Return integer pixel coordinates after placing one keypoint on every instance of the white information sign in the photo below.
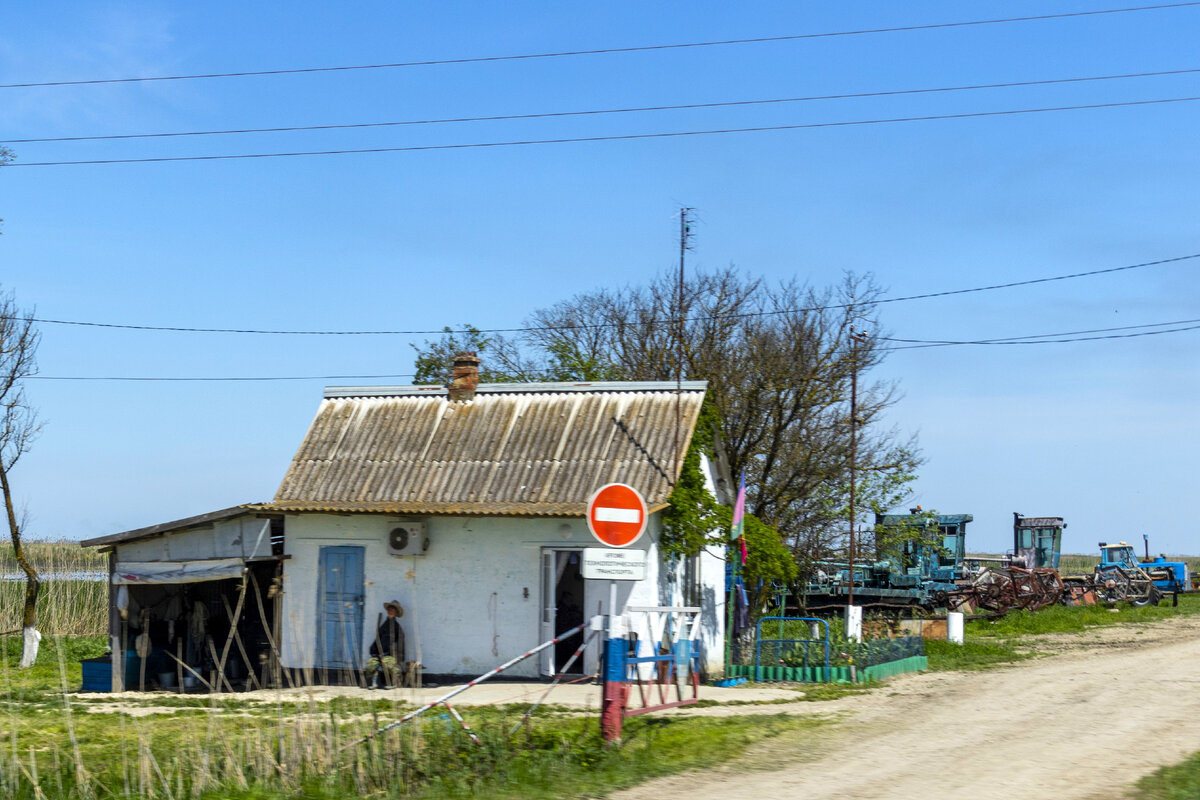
(610, 564)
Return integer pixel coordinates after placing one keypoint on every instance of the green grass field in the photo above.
(60, 745)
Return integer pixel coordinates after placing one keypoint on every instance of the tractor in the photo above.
(1120, 576)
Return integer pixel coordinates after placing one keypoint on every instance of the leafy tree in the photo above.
(779, 360)
(434, 361)
(18, 426)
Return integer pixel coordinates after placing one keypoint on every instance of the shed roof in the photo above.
(514, 449)
(198, 521)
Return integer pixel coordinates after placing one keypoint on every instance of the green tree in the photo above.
(498, 365)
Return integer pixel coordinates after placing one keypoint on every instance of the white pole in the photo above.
(612, 609)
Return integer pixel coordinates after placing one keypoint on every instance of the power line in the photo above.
(226, 378)
(1047, 341)
(597, 112)
(601, 51)
(1030, 338)
(621, 137)
(1033, 339)
(599, 325)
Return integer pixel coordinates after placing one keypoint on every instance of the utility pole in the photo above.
(685, 238)
(855, 339)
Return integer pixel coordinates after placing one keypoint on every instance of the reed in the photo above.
(73, 600)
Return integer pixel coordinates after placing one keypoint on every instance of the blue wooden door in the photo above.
(340, 608)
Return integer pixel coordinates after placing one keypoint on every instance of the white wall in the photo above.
(242, 537)
(474, 600)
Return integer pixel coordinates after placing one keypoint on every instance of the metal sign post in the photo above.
(616, 516)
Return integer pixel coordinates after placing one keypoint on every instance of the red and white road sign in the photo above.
(616, 515)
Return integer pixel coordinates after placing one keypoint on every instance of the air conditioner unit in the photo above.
(408, 539)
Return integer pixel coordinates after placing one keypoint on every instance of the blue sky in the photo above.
(1100, 432)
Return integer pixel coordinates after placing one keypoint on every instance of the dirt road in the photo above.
(1066, 725)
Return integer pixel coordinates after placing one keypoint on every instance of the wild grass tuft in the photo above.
(1178, 782)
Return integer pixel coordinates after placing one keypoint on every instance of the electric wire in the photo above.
(1035, 336)
(1065, 338)
(219, 378)
(601, 325)
(603, 51)
(1046, 341)
(614, 138)
(605, 111)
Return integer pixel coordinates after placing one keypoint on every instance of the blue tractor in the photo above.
(1168, 577)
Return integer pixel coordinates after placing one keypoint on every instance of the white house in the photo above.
(465, 505)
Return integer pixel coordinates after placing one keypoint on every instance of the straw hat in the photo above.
(396, 605)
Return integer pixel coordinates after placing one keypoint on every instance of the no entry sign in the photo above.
(616, 515)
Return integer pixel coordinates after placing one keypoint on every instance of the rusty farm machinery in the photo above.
(929, 570)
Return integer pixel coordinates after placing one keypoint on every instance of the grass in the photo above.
(1073, 619)
(1178, 782)
(993, 643)
(274, 749)
(971, 655)
(66, 604)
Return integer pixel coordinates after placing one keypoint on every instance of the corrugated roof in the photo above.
(198, 521)
(535, 450)
(1040, 522)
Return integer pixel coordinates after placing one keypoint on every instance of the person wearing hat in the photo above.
(387, 651)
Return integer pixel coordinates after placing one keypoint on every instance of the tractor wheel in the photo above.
(1151, 598)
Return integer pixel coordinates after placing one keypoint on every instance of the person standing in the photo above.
(387, 651)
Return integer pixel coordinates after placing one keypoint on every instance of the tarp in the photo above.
(142, 572)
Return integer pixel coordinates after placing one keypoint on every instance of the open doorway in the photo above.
(562, 593)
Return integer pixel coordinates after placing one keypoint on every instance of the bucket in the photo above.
(166, 680)
(189, 681)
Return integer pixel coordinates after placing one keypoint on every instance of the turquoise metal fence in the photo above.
(777, 644)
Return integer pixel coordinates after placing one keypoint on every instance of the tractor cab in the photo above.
(1119, 554)
(929, 547)
(1037, 541)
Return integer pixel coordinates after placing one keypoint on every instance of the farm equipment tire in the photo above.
(1151, 598)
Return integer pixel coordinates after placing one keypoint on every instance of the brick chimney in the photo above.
(464, 377)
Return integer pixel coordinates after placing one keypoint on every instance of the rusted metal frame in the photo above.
(633, 712)
(656, 678)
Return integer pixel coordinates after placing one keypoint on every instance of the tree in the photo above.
(779, 361)
(18, 426)
(499, 362)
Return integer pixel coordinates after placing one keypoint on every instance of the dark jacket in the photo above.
(389, 640)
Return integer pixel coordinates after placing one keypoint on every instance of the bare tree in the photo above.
(779, 360)
(18, 426)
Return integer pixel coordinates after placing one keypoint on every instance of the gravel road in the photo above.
(1075, 723)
